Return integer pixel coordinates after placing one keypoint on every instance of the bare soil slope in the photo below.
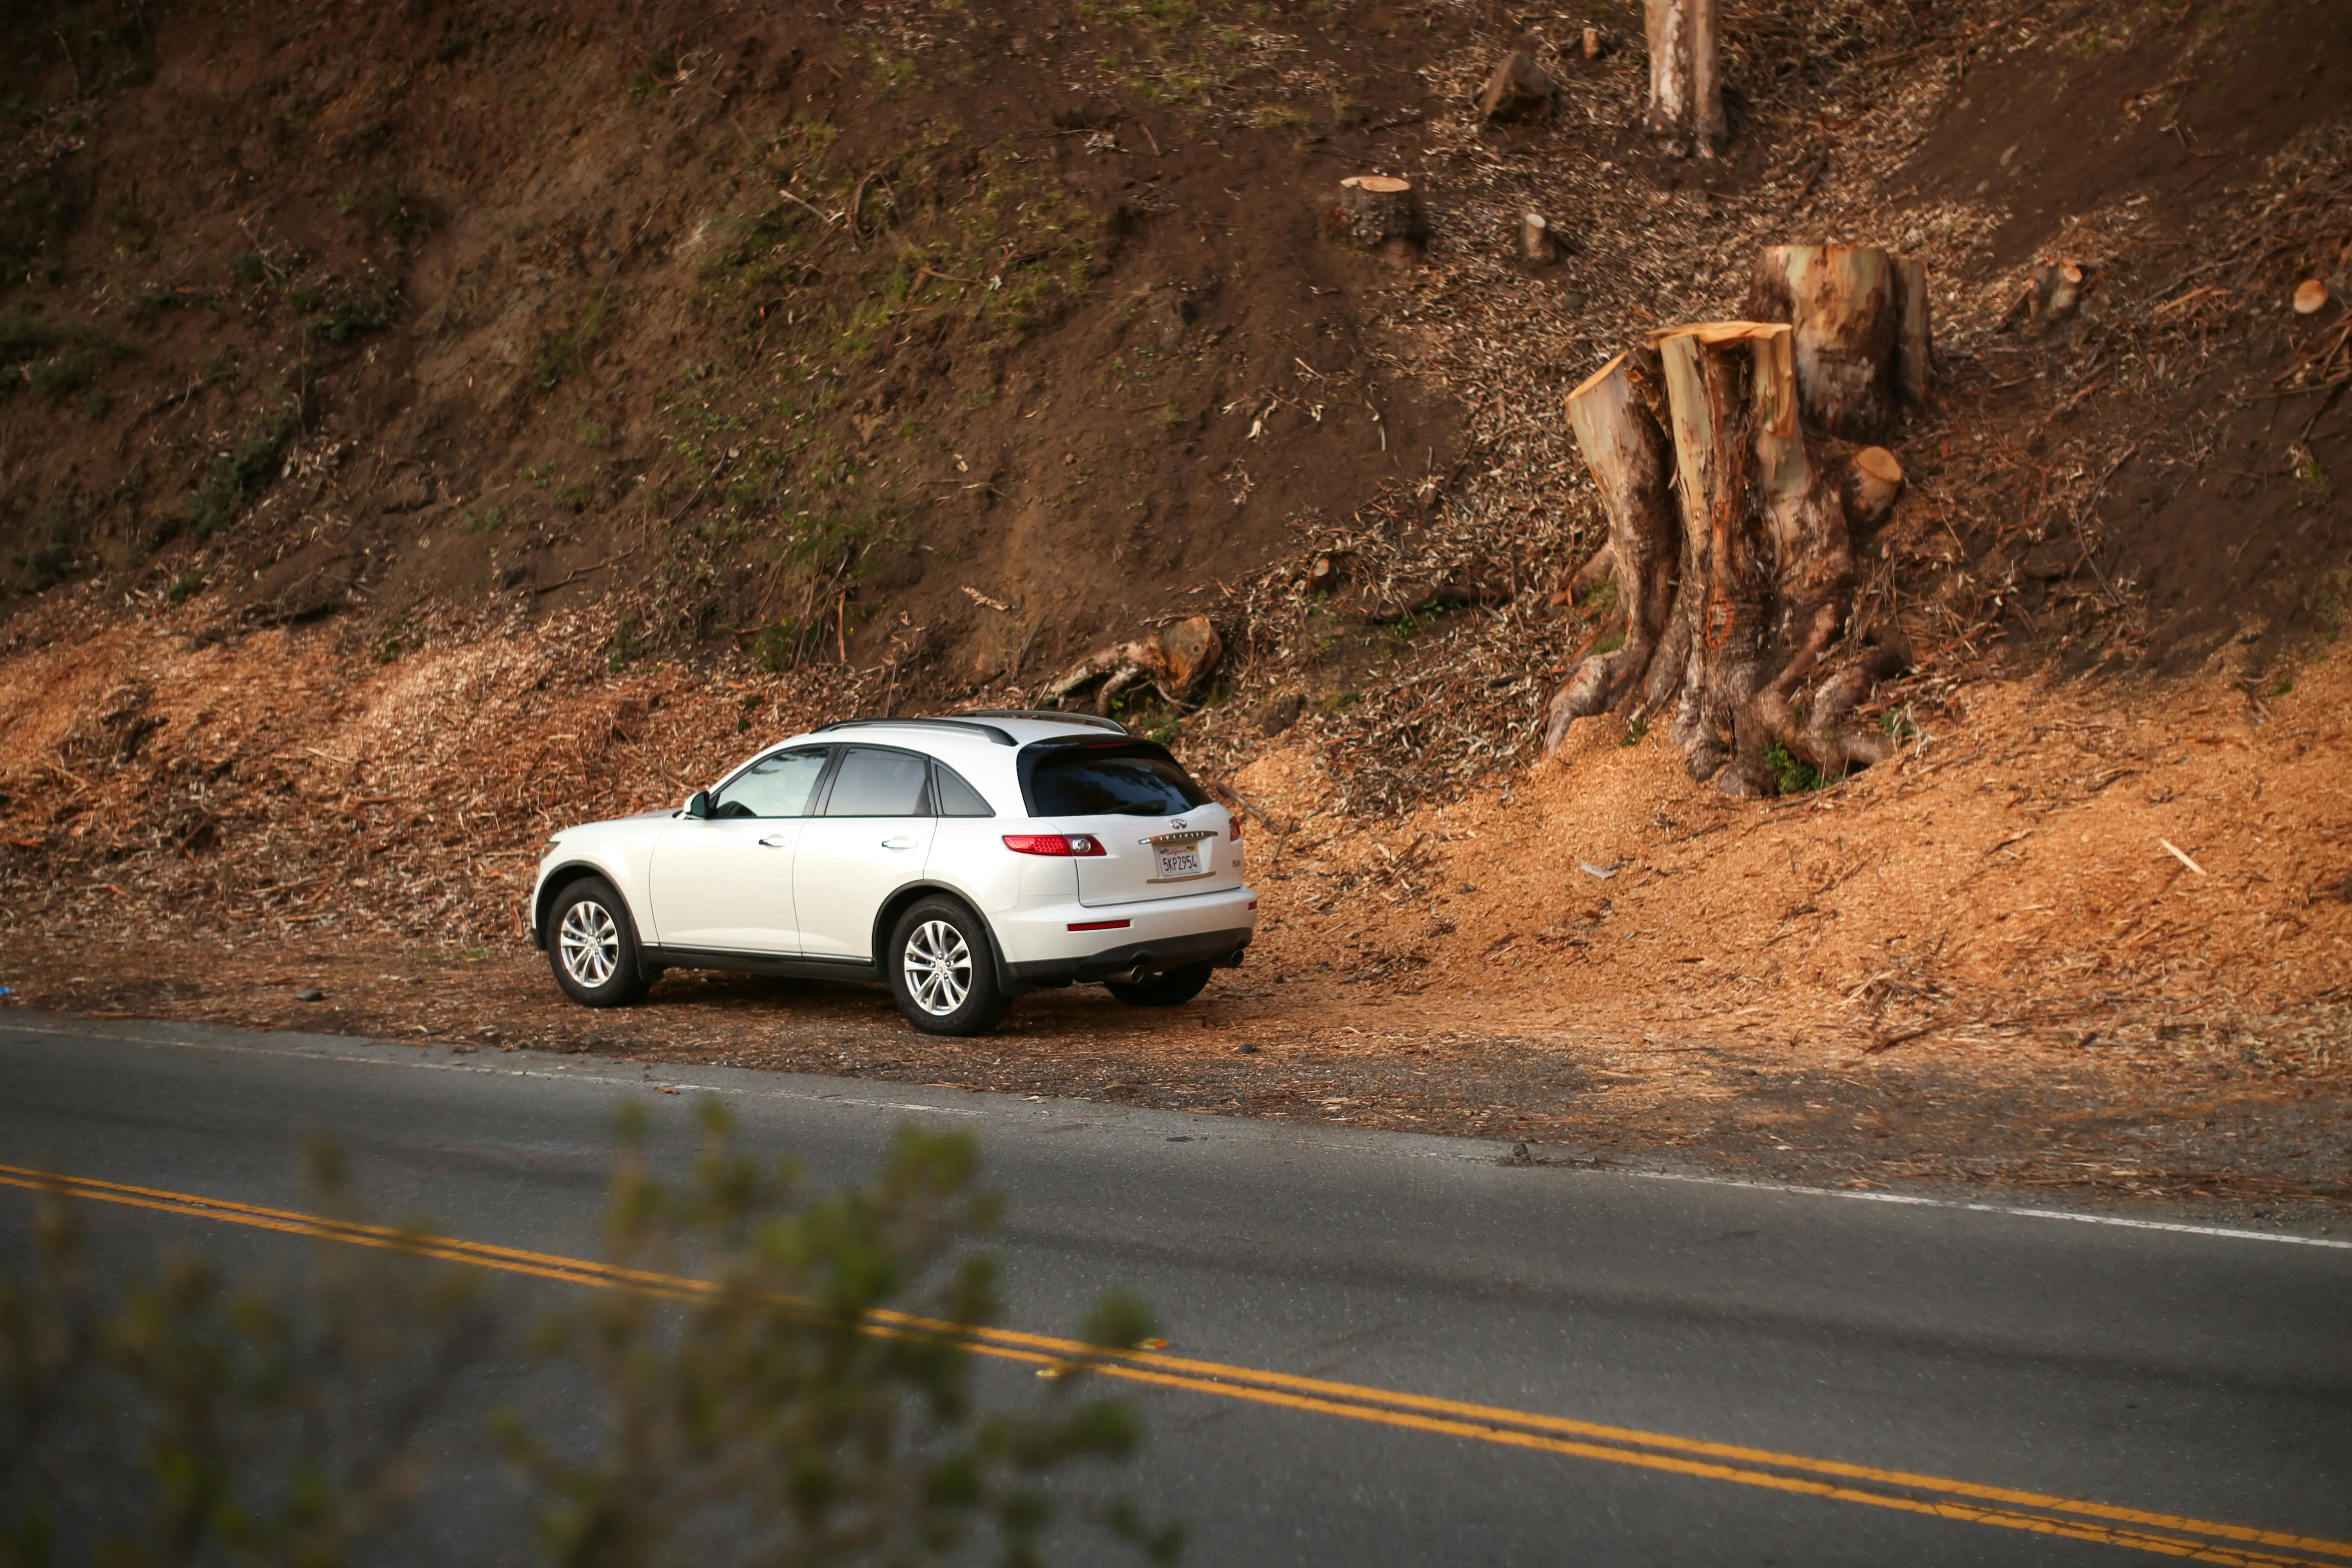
(426, 426)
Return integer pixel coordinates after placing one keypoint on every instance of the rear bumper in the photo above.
(1040, 949)
(1154, 957)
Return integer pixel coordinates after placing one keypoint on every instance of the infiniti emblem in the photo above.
(1178, 822)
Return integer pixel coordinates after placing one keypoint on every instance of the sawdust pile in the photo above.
(2149, 868)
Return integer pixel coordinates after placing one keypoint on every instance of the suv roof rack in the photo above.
(1051, 715)
(990, 730)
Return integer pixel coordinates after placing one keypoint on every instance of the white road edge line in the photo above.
(1916, 1201)
(1908, 1199)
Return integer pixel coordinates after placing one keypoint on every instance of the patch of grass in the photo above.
(235, 476)
(55, 360)
(350, 317)
(485, 520)
(778, 648)
(2315, 486)
(2329, 611)
(1280, 117)
(403, 635)
(1598, 599)
(559, 358)
(625, 647)
(50, 561)
(1635, 728)
(183, 589)
(1610, 644)
(888, 75)
(1792, 774)
(2282, 686)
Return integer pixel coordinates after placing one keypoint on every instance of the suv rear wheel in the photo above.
(942, 970)
(1173, 989)
(592, 945)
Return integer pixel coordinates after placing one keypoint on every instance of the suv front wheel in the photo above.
(592, 945)
(942, 970)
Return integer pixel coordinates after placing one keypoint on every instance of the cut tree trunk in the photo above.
(1751, 555)
(1861, 321)
(1519, 90)
(1632, 466)
(1384, 213)
(1685, 88)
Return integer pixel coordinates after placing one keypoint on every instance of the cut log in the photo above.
(2310, 297)
(1536, 246)
(1519, 90)
(1190, 649)
(1685, 89)
(1592, 43)
(1384, 213)
(2049, 297)
(1174, 661)
(1873, 480)
(1736, 589)
(1861, 321)
(1630, 466)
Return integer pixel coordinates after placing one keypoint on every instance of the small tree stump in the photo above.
(1519, 90)
(1537, 246)
(1873, 480)
(2310, 297)
(1592, 43)
(1382, 212)
(1861, 321)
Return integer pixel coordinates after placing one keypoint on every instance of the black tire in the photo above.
(589, 934)
(952, 989)
(1173, 989)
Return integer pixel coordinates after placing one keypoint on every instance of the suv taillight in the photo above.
(1079, 844)
(1234, 826)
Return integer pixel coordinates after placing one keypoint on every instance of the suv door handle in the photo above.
(899, 842)
(773, 842)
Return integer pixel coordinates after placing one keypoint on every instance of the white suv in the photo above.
(962, 861)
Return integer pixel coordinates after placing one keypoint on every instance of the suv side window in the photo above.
(871, 781)
(953, 795)
(778, 786)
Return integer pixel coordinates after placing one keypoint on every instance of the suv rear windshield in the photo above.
(1089, 784)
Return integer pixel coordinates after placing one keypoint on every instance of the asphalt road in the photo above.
(1517, 1364)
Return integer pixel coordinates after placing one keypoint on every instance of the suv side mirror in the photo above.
(698, 805)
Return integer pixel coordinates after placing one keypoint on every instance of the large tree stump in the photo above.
(1382, 212)
(1632, 465)
(1762, 580)
(1861, 321)
(1519, 90)
(1685, 88)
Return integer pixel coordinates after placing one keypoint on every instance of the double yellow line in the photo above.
(2171, 1535)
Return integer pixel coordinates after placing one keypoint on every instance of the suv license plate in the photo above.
(1179, 860)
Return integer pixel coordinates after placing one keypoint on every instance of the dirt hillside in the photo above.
(426, 425)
